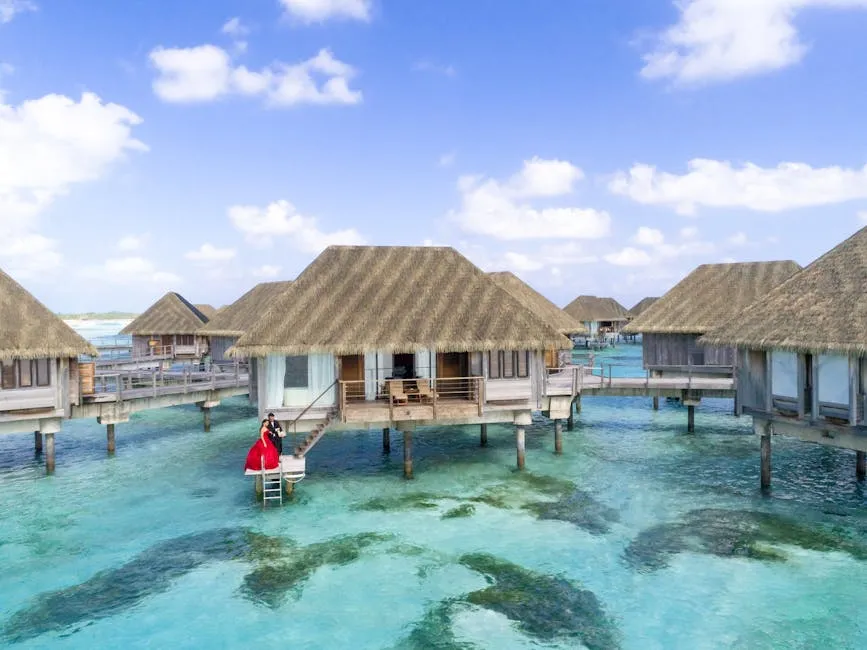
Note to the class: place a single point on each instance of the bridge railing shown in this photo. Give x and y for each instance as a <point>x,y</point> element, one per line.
<point>146,383</point>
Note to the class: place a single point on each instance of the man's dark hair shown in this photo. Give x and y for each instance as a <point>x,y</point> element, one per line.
<point>270,415</point>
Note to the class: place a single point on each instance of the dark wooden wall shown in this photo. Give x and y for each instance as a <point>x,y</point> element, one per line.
<point>683,350</point>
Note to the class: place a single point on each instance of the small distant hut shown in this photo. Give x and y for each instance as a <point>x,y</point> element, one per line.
<point>704,299</point>
<point>39,370</point>
<point>641,307</point>
<point>603,317</point>
<point>169,330</point>
<point>802,354</point>
<point>536,302</point>
<point>208,310</point>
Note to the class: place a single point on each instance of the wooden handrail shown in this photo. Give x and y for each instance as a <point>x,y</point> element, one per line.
<point>294,422</point>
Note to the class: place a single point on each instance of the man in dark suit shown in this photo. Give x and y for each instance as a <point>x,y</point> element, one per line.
<point>275,433</point>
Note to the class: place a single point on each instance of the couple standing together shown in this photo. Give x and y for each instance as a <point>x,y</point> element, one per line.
<point>266,452</point>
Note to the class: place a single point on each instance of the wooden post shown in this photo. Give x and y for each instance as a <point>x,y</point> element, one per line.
<point>386,440</point>
<point>766,457</point>
<point>558,436</point>
<point>578,404</point>
<point>109,438</point>
<point>288,487</point>
<point>570,422</point>
<point>258,486</point>
<point>49,453</point>
<point>407,454</point>
<point>519,431</point>
<point>483,441</point>
<point>860,465</point>
<point>37,441</point>
<point>690,419</point>
<point>206,413</point>
<point>656,403</point>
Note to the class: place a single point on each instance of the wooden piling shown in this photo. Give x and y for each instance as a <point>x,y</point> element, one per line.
<point>860,465</point>
<point>519,431</point>
<point>49,453</point>
<point>206,415</point>
<point>407,454</point>
<point>558,436</point>
<point>766,458</point>
<point>37,441</point>
<point>288,487</point>
<point>570,422</point>
<point>578,404</point>
<point>259,486</point>
<point>656,403</point>
<point>386,440</point>
<point>109,439</point>
<point>690,418</point>
<point>483,436</point>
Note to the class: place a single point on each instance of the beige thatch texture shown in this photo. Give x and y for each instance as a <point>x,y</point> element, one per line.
<point>355,299</point>
<point>29,330</point>
<point>642,306</point>
<point>239,317</point>
<point>171,314</point>
<point>821,309</point>
<point>589,309</point>
<point>710,295</point>
<point>538,303</point>
<point>208,310</point>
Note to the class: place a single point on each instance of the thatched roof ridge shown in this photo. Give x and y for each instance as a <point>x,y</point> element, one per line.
<point>209,311</point>
<point>171,314</point>
<point>820,309</point>
<point>641,306</point>
<point>239,317</point>
<point>710,295</point>
<point>355,299</point>
<point>29,330</point>
<point>538,303</point>
<point>588,309</point>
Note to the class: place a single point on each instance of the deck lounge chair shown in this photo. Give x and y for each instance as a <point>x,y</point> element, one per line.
<point>425,393</point>
<point>395,391</point>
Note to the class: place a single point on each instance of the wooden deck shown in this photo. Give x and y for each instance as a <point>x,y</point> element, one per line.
<point>121,387</point>
<point>574,380</point>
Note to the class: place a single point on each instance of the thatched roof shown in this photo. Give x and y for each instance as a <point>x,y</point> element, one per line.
<point>239,317</point>
<point>642,306</point>
<point>588,309</point>
<point>29,330</point>
<point>208,310</point>
<point>355,299</point>
<point>821,309</point>
<point>171,314</point>
<point>538,303</point>
<point>710,295</point>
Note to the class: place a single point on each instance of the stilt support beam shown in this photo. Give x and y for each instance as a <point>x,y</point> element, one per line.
<point>206,418</point>
<point>860,465</point>
<point>656,403</point>
<point>109,439</point>
<point>407,454</point>
<point>570,423</point>
<point>558,436</point>
<point>37,441</point>
<point>690,418</point>
<point>49,453</point>
<point>766,457</point>
<point>578,404</point>
<point>483,435</point>
<point>519,431</point>
<point>386,440</point>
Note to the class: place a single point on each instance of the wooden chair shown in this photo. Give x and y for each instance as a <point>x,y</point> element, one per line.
<point>395,391</point>
<point>425,393</point>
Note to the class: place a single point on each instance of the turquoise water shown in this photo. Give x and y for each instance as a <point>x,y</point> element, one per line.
<point>638,536</point>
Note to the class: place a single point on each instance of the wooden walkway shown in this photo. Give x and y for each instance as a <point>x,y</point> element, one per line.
<point>126,386</point>
<point>577,380</point>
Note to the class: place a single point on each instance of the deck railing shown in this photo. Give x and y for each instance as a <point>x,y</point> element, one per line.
<point>151,383</point>
<point>413,392</point>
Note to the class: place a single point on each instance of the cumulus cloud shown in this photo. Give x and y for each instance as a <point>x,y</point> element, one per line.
<point>29,255</point>
<point>447,159</point>
<point>132,242</point>
<point>719,184</point>
<point>267,271</point>
<point>739,239</point>
<point>629,256</point>
<point>234,27</point>
<point>862,216</point>
<point>207,72</point>
<point>506,210</point>
<point>317,11</point>
<point>648,237</point>
<point>133,270</point>
<point>717,40</point>
<point>261,225</point>
<point>435,68</point>
<point>11,8</point>
<point>209,253</point>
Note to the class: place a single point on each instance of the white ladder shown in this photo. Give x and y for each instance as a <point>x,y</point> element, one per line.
<point>272,484</point>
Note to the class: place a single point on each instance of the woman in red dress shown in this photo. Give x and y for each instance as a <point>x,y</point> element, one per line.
<point>262,452</point>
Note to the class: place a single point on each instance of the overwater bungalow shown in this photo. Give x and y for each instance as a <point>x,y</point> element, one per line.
<point>704,299</point>
<point>168,330</point>
<point>802,355</point>
<point>538,303</point>
<point>641,306</point>
<point>39,372</point>
<point>208,310</point>
<point>398,337</point>
<point>602,317</point>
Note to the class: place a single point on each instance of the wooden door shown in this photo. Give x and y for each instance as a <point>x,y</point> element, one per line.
<point>551,359</point>
<point>352,369</point>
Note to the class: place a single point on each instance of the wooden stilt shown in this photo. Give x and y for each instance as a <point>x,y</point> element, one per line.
<point>690,418</point>
<point>49,453</point>
<point>737,410</point>
<point>37,441</point>
<point>407,454</point>
<point>860,465</point>
<point>206,416</point>
<point>570,422</point>
<point>483,438</point>
<point>766,458</point>
<point>558,436</point>
<point>109,438</point>
<point>258,486</point>
<point>578,404</point>
<point>386,440</point>
<point>519,431</point>
<point>288,488</point>
<point>656,403</point>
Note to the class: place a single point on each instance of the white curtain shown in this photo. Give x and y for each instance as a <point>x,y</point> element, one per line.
<point>833,378</point>
<point>425,364</point>
<point>370,376</point>
<point>320,375</point>
<point>784,373</point>
<point>275,369</point>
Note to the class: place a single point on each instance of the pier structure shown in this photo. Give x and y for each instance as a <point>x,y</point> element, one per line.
<point>604,318</point>
<point>802,356</point>
<point>168,331</point>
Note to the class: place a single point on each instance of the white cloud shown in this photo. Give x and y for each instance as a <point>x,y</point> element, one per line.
<point>717,40</point>
<point>234,27</point>
<point>739,239</point>
<point>502,209</point>
<point>435,68</point>
<point>206,73</point>
<point>862,216</point>
<point>267,271</point>
<point>648,237</point>
<point>718,184</point>
<point>29,256</point>
<point>130,271</point>
<point>317,11</point>
<point>10,8</point>
<point>132,242</point>
<point>281,219</point>
<point>629,256</point>
<point>690,232</point>
<point>210,253</point>
<point>521,262</point>
<point>447,159</point>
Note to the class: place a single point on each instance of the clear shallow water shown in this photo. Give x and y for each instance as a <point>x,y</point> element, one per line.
<point>144,524</point>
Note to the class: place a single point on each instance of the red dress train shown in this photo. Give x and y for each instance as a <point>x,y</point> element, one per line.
<point>262,449</point>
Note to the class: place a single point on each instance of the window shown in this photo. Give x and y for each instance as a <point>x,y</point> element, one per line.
<point>505,364</point>
<point>43,372</point>
<point>25,376</point>
<point>24,373</point>
<point>186,339</point>
<point>8,377</point>
<point>296,372</point>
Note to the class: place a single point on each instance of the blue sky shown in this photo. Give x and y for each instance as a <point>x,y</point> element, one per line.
<point>592,147</point>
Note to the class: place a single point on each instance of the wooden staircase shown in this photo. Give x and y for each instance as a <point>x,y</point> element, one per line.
<point>314,436</point>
